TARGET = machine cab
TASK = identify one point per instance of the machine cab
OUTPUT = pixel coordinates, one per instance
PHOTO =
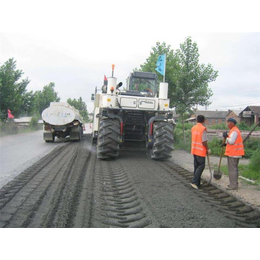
(142, 83)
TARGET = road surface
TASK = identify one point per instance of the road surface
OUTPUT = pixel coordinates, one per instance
(18, 152)
(70, 187)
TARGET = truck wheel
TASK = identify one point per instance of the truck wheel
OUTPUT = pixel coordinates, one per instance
(76, 133)
(51, 141)
(163, 141)
(80, 133)
(108, 139)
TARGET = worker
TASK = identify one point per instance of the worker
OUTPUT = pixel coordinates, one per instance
(199, 149)
(234, 151)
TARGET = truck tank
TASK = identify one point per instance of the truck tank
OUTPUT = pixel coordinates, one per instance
(61, 120)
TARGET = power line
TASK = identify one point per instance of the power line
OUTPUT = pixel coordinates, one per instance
(229, 106)
(243, 104)
(247, 92)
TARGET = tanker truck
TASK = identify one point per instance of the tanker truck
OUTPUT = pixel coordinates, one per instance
(61, 120)
(134, 114)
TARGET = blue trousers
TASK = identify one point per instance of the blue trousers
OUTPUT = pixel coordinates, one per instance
(199, 166)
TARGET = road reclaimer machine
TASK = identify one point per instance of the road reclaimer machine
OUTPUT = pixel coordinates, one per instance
(133, 114)
(61, 120)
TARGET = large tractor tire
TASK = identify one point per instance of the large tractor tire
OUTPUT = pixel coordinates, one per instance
(108, 139)
(163, 141)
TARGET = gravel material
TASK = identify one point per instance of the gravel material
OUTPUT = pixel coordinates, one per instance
(70, 187)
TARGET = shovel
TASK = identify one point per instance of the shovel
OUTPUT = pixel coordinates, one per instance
(218, 174)
(210, 178)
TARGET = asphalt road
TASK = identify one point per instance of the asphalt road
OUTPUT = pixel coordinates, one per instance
(18, 152)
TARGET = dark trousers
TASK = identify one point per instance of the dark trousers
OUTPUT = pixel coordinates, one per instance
(199, 166)
(233, 172)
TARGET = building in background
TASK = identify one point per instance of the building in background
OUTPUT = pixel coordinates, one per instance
(250, 115)
(234, 114)
(211, 117)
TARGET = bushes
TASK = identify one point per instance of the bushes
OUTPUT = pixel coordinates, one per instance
(252, 170)
(187, 126)
(243, 126)
(8, 128)
(34, 124)
(251, 145)
(215, 146)
(179, 143)
(221, 126)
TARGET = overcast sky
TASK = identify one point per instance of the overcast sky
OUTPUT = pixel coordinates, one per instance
(74, 45)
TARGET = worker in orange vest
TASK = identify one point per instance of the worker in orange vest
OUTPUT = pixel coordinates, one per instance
(199, 149)
(234, 151)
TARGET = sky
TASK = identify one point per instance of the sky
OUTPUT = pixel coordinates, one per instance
(74, 44)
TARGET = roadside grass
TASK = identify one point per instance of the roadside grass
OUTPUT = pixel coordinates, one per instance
(244, 171)
(241, 126)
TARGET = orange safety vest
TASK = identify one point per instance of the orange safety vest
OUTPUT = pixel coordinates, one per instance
(197, 148)
(236, 149)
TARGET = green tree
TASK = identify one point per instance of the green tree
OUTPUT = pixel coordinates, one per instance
(28, 105)
(81, 106)
(13, 94)
(191, 81)
(171, 63)
(188, 80)
(42, 99)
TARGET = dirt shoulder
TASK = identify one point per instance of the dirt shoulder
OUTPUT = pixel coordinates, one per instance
(248, 193)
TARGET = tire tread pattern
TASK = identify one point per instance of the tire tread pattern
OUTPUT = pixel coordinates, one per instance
(163, 141)
(108, 139)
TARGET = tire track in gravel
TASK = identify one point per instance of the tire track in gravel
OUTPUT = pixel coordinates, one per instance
(26, 202)
(14, 186)
(71, 188)
(167, 193)
(116, 200)
(229, 206)
(64, 192)
(48, 198)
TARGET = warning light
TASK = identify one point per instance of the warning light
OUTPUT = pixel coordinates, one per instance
(113, 67)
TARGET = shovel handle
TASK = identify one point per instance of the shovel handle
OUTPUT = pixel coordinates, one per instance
(209, 170)
(251, 132)
(221, 154)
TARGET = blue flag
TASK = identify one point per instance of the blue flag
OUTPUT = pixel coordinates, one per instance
(160, 65)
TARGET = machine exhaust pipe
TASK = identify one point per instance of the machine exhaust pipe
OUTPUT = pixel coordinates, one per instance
(163, 90)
